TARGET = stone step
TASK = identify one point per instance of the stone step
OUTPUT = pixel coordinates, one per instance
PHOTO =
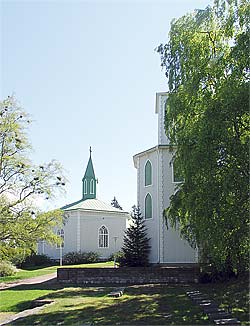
(192, 292)
(210, 304)
(227, 321)
(116, 293)
(201, 303)
(219, 315)
(212, 310)
(202, 300)
(192, 296)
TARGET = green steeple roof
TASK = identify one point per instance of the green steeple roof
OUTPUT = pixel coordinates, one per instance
(89, 180)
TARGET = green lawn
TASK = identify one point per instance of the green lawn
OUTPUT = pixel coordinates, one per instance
(140, 305)
(39, 271)
(28, 273)
(145, 305)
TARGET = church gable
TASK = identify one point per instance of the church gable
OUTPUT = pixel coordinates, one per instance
(90, 224)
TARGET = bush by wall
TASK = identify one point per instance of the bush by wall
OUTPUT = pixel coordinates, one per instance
(117, 256)
(37, 260)
(7, 269)
(74, 258)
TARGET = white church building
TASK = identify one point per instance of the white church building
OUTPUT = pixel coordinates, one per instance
(156, 182)
(90, 224)
(93, 225)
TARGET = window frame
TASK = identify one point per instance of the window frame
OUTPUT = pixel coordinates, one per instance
(92, 187)
(173, 176)
(103, 238)
(148, 195)
(85, 186)
(151, 173)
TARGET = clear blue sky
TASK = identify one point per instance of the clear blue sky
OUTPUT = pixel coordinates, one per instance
(87, 73)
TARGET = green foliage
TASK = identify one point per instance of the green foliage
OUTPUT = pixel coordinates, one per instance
(37, 260)
(15, 255)
(22, 185)
(136, 248)
(117, 256)
(7, 269)
(207, 117)
(75, 258)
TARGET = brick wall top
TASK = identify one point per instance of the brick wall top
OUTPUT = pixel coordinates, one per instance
(127, 275)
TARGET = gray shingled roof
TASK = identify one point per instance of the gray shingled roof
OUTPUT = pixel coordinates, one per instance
(92, 205)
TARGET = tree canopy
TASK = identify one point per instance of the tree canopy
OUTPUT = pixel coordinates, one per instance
(22, 184)
(115, 203)
(206, 61)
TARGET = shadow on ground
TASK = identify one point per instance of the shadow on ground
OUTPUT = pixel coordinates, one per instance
(140, 305)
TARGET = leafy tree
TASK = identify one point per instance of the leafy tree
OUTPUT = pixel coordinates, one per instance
(136, 246)
(207, 116)
(22, 184)
(115, 204)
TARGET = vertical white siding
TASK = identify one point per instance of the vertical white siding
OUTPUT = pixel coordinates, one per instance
(166, 243)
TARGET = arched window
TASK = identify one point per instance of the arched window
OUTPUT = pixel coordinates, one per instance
(148, 173)
(103, 237)
(92, 190)
(148, 206)
(177, 175)
(60, 233)
(85, 186)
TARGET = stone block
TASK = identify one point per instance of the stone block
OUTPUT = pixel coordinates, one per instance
(227, 321)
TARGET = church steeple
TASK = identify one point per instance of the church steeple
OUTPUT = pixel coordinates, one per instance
(89, 180)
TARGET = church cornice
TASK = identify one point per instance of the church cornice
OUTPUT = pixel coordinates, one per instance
(150, 150)
(94, 212)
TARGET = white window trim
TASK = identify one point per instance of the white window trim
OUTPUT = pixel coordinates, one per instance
(148, 218)
(144, 173)
(99, 235)
(85, 187)
(92, 187)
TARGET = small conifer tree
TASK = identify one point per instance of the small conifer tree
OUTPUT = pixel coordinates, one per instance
(136, 246)
(115, 204)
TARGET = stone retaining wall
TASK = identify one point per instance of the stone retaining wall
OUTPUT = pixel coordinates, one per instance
(127, 275)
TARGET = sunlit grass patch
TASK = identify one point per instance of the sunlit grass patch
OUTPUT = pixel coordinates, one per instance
(154, 304)
(30, 272)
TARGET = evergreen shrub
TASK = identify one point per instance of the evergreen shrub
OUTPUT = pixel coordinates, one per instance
(136, 247)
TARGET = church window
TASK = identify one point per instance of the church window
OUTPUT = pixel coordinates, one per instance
(103, 237)
(92, 187)
(148, 173)
(85, 186)
(176, 172)
(60, 233)
(148, 206)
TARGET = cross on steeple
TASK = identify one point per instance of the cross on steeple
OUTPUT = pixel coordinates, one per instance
(90, 150)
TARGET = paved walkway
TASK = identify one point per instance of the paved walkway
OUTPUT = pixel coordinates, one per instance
(34, 280)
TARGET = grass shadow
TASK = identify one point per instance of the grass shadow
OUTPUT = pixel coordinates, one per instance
(159, 305)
